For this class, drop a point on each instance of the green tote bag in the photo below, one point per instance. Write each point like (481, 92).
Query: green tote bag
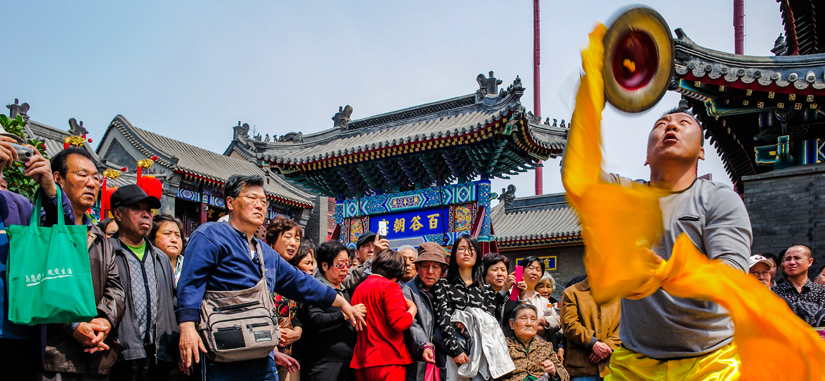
(49, 277)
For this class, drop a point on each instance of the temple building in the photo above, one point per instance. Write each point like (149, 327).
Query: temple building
(425, 171)
(543, 226)
(193, 177)
(764, 116)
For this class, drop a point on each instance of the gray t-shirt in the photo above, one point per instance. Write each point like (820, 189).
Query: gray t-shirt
(663, 326)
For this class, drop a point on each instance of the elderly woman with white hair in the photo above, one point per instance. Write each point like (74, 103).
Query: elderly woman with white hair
(546, 286)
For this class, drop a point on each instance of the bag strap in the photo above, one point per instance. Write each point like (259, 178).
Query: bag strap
(58, 198)
(260, 259)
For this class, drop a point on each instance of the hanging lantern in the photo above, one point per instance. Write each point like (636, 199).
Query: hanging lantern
(152, 186)
(105, 198)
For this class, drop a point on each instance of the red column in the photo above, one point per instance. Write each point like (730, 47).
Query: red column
(739, 26)
(202, 214)
(536, 84)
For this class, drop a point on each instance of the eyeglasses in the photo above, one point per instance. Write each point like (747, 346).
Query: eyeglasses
(462, 250)
(757, 273)
(255, 200)
(342, 266)
(83, 175)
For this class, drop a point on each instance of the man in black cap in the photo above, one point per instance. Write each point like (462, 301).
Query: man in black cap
(148, 332)
(367, 246)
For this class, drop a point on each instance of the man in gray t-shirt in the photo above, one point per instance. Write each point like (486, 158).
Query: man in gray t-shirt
(662, 326)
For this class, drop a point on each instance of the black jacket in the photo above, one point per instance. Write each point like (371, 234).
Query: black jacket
(167, 333)
(327, 337)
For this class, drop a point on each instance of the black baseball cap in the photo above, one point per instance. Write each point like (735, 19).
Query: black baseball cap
(364, 238)
(131, 195)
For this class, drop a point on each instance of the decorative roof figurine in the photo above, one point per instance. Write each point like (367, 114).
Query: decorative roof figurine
(18, 109)
(489, 85)
(76, 128)
(292, 137)
(342, 117)
(507, 196)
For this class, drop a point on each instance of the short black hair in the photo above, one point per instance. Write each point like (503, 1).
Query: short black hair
(58, 162)
(235, 184)
(520, 307)
(491, 259)
(327, 252)
(683, 109)
(771, 257)
(389, 264)
(529, 261)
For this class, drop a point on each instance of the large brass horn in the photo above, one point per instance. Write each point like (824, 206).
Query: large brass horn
(638, 60)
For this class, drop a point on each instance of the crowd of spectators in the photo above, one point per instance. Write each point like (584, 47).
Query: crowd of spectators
(362, 313)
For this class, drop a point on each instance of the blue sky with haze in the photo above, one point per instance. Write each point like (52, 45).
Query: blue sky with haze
(190, 70)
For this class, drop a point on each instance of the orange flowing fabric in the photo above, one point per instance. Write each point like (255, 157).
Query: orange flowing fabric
(620, 224)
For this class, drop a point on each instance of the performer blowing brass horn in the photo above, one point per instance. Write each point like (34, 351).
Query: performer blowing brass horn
(638, 60)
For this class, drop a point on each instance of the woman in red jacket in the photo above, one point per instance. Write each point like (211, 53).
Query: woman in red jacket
(380, 353)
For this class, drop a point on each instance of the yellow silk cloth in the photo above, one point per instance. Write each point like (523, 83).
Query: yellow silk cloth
(719, 365)
(620, 224)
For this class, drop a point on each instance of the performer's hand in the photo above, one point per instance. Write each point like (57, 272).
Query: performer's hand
(461, 359)
(549, 367)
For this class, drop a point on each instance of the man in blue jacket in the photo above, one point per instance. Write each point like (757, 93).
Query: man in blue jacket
(20, 344)
(223, 256)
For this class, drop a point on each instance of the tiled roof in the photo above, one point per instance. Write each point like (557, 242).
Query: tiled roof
(191, 160)
(435, 121)
(448, 123)
(52, 137)
(536, 221)
(784, 74)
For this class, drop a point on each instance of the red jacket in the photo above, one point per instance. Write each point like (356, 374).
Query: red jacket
(381, 342)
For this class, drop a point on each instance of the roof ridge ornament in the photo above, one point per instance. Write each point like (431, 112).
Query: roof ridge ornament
(507, 196)
(16, 109)
(780, 46)
(488, 85)
(76, 128)
(241, 131)
(342, 117)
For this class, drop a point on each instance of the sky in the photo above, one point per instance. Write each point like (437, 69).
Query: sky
(190, 70)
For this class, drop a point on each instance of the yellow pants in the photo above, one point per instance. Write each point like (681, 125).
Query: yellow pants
(719, 365)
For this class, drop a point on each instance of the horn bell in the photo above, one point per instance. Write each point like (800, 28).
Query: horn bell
(638, 60)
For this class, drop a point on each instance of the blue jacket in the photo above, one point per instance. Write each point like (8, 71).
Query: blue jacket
(217, 258)
(17, 210)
